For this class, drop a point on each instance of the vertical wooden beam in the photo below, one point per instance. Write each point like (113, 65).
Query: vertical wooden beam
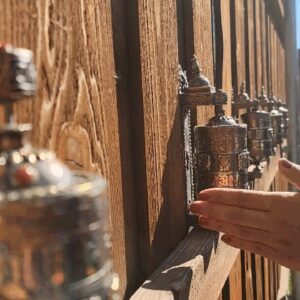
(126, 55)
(259, 278)
(264, 61)
(258, 46)
(225, 71)
(158, 151)
(251, 56)
(268, 55)
(271, 280)
(291, 73)
(199, 41)
(248, 276)
(235, 280)
(250, 59)
(266, 279)
(238, 43)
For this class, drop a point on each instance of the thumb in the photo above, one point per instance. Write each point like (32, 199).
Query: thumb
(290, 170)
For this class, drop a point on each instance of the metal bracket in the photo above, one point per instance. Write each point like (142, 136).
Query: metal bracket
(198, 92)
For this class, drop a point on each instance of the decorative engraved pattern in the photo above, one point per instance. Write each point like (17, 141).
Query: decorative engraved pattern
(231, 180)
(194, 100)
(227, 149)
(224, 162)
(243, 161)
(203, 161)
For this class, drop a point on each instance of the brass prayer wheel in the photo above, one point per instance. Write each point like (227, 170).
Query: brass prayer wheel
(260, 134)
(277, 123)
(54, 230)
(269, 105)
(259, 129)
(285, 112)
(221, 154)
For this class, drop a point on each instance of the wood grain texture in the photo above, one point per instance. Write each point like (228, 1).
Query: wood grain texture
(238, 43)
(263, 30)
(251, 81)
(258, 46)
(268, 56)
(248, 276)
(126, 54)
(271, 280)
(160, 178)
(259, 278)
(251, 56)
(197, 269)
(199, 41)
(226, 52)
(235, 280)
(266, 279)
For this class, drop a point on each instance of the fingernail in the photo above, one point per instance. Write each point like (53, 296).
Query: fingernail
(226, 239)
(194, 209)
(286, 163)
(203, 196)
(203, 221)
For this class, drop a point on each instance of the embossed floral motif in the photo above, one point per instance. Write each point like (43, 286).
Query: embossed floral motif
(224, 162)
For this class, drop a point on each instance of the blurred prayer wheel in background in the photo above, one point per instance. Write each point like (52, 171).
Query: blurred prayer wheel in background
(54, 230)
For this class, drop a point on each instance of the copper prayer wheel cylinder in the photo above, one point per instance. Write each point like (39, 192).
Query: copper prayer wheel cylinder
(221, 154)
(278, 126)
(285, 112)
(260, 134)
(54, 227)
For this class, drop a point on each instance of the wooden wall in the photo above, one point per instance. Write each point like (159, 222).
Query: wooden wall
(108, 103)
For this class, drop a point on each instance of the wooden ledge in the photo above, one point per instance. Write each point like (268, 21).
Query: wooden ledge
(197, 269)
(199, 266)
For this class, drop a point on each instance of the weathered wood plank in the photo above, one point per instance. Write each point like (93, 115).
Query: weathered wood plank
(274, 11)
(199, 41)
(258, 46)
(266, 279)
(197, 269)
(264, 59)
(238, 43)
(271, 280)
(250, 61)
(268, 55)
(126, 54)
(235, 280)
(251, 56)
(159, 167)
(248, 276)
(226, 52)
(259, 278)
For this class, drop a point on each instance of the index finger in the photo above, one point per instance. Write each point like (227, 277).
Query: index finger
(256, 200)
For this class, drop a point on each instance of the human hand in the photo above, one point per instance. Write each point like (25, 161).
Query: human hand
(265, 223)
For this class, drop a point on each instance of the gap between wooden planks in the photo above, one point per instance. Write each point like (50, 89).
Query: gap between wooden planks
(200, 265)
